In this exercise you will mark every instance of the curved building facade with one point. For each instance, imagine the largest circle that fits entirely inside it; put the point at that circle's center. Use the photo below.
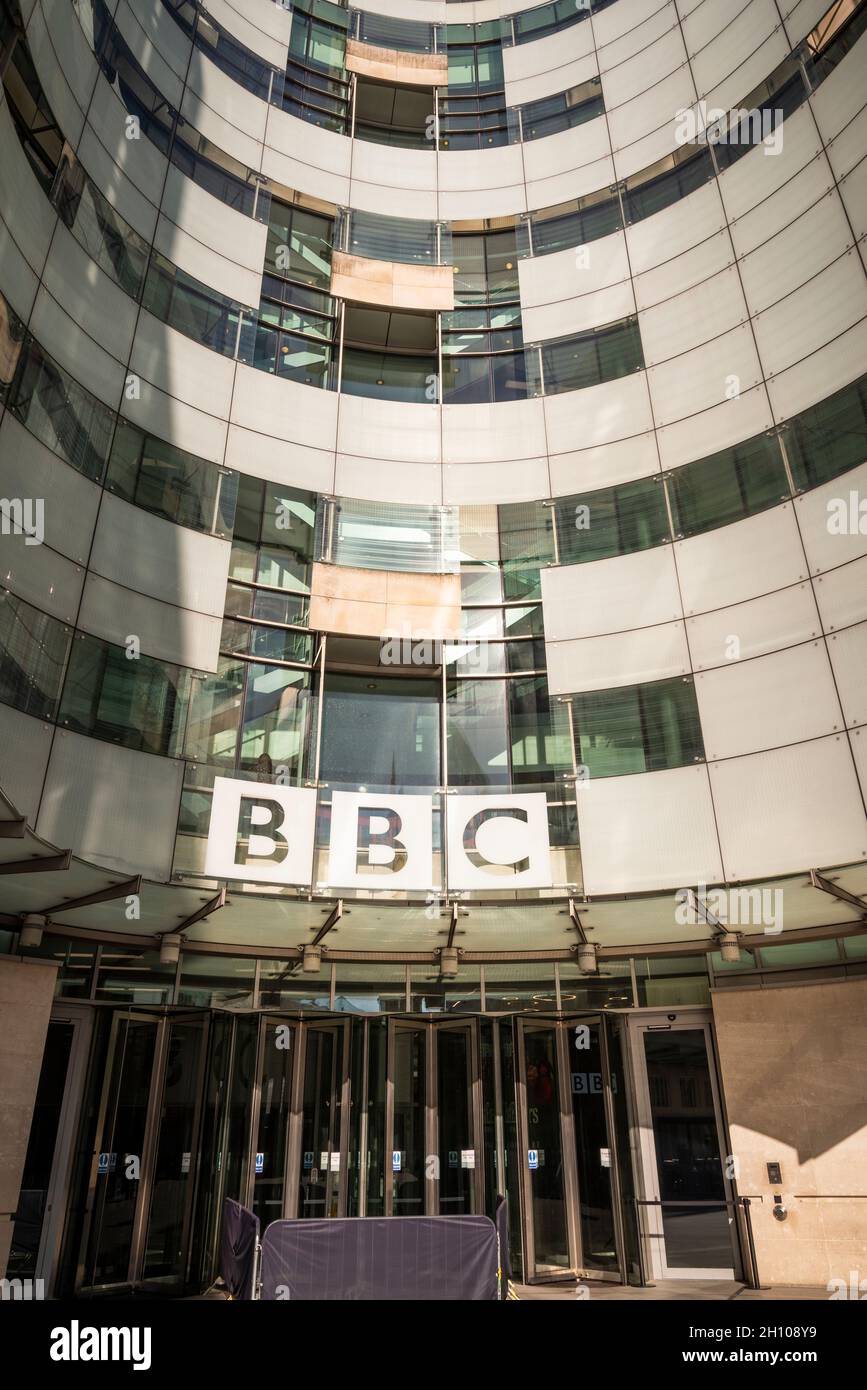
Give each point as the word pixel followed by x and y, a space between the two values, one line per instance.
pixel 433 462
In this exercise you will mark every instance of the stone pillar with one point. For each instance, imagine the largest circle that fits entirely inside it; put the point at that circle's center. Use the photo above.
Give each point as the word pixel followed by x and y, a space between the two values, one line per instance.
pixel 26 996
pixel 794 1071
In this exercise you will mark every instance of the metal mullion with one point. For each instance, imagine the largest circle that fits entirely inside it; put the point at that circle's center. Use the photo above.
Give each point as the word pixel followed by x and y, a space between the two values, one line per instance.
pixel 431 1120
pixel 614 1170
pixel 153 1127
pixel 296 1121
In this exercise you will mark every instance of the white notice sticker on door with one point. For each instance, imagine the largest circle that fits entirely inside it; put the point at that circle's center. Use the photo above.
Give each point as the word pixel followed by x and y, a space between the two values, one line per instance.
pixel 468 1158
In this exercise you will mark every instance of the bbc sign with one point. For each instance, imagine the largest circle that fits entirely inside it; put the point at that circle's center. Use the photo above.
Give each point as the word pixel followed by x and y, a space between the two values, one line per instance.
pixel 266 834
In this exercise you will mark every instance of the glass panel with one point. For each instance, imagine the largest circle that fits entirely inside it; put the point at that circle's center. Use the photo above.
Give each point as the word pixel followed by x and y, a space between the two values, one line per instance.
pixel 478 740
pixel 539 732
pixel 548 1202
pixel 406 239
pixel 687 1151
pixel 638 728
pixel 373 989
pixel 592 1147
pixel 320 1130
pixel 408 1141
pixel 216 981
pixel 274 1107
pixel 137 703
pixel 590 358
pixel 119 1144
pixel 130 976
pixel 611 521
pixel 33 651
pixel 170 482
pixel 829 438
pixel 380 732
pixel 727 486
pixel 174 1164
pixel 36 1175
pixel 377 1053
pixel 431 994
pixel 454 1117
pixel 275 722
pixel 672 980
pixel 60 413
pixel 391 536
pixel 527 988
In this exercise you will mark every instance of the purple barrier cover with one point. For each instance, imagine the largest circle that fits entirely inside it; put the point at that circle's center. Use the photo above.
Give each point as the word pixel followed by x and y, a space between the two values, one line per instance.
pixel 398 1259
pixel 238 1249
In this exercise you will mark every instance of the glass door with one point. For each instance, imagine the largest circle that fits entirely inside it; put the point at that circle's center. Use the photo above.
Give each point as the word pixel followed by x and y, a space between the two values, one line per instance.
pixel 408 1179
pixel 692 1234
pixel 457 1098
pixel 276 1066
pixel 324 1115
pixel 573 1221
pixel 139 1208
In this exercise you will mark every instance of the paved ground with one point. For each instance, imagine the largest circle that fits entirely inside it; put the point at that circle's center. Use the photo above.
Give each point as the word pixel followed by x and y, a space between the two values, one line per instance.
pixel 671 1290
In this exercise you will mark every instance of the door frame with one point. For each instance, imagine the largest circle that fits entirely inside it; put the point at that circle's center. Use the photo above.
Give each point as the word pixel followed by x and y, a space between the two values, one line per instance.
pixel 48 1255
pixel 650 1230
pixel 340 1028
pixel 562 1026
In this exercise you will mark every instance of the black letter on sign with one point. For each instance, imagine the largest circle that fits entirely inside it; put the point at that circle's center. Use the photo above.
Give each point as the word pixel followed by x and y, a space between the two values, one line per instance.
pixel 476 858
pixel 367 839
pixel 246 828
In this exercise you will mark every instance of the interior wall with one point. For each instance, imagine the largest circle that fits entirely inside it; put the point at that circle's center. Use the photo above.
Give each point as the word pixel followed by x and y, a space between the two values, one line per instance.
pixel 26 995
pixel 794 1070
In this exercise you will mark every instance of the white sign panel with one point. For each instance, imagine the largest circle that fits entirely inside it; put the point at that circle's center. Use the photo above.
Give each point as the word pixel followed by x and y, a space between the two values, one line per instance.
pixel 380 841
pixel 499 841
pixel 261 832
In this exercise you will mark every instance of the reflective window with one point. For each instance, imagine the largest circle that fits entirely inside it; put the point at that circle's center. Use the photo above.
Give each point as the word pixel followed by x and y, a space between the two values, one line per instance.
pixel 478 737
pixel 381 732
pixel 637 728
pixel 829 438
pixel 33 652
pixel 139 704
pixel 611 521
pixel 388 536
pixel 171 482
pixel 726 486
pixel 60 412
pixel 539 730
pixel 570 364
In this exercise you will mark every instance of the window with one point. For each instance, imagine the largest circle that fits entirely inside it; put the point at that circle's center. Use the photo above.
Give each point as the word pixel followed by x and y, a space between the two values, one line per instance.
pixel 571 364
pixel 139 704
pixel 174 484
pixel 829 438
pixel 726 486
pixel 478 739
pixel 611 521
pixel 33 651
pixel 637 728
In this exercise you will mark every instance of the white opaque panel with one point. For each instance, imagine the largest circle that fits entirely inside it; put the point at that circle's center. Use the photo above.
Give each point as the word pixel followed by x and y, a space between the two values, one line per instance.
pixel 568 73
pixel 555 154
pixel 776 213
pixel 620 29
pixel 18 283
pixel 285 409
pixel 64 64
pixel 694 317
pixel 578 315
pixel 729 423
pixel 379 429
pixel 842 594
pixel 847 149
pixel 833 520
pixel 584 470
pixel 491 202
pixel 703 21
pixel 514 480
pixel 92 299
pixel 162 415
pixel 140 160
pixel 789 809
pixel 785 262
pixel 216 124
pixel 802 18
pixel 841 96
pixel 558 188
pixel 148 56
pixel 75 350
pixel 820 310
pixel 598 414
pixel 848 652
pixel 577 271
pixel 389 166
pixel 652 830
pixel 490 432
pixel 24 748
pixel 667 234
pixel 40 575
pixel 114 806
pixel 853 191
pixel 703 377
pixel 820 375
pixel 655 60
pixel 158 558
pixel 29 469
pixel 624 658
pixel 218 90
pixel 227 233
pixel 749 74
pixel 543 56
pixel 115 185
pixel 387 480
pixel 315 165
pixel 263 456
pixel 270 44
pixel 164 631
pixel 734 563
pixel 209 267
pixel 614 595
pixel 654 110
pixel 757 175
pixel 768 702
pixel 682 272
pixel 175 363
pixel 163 33
pixel 744 630
pixel 27 213
pixel 421 203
